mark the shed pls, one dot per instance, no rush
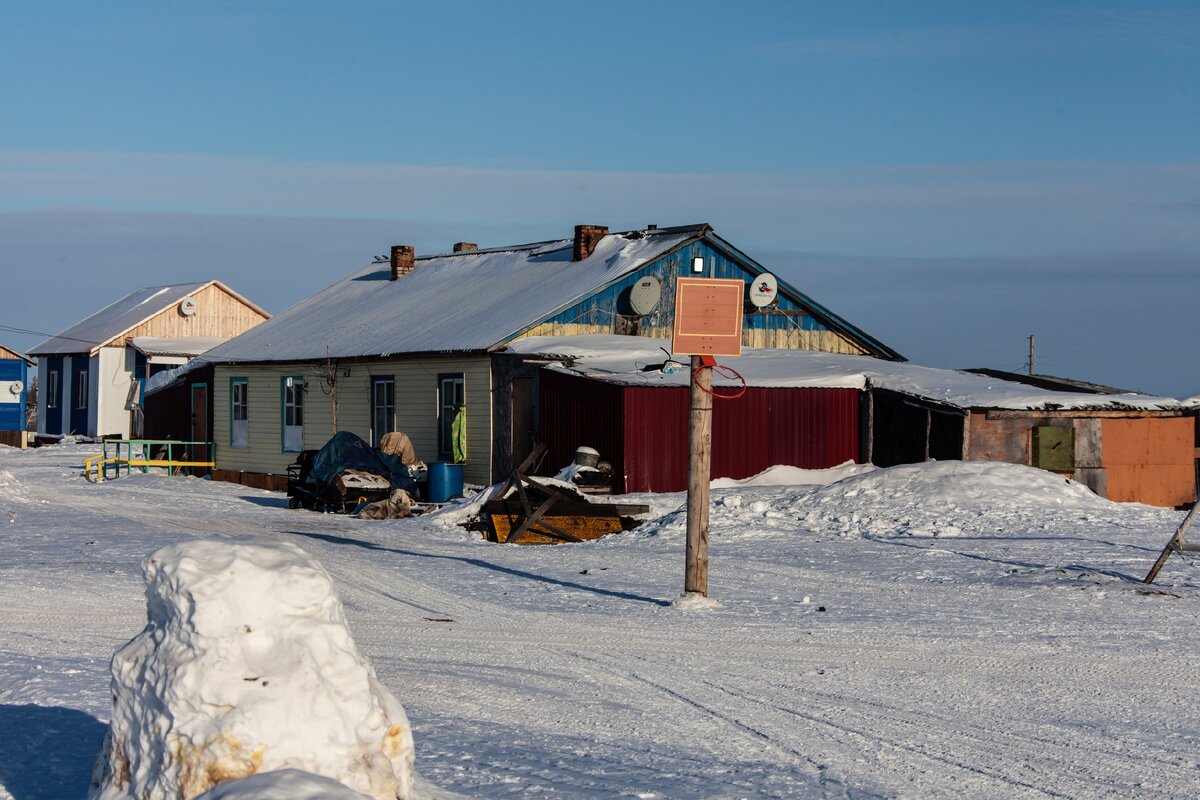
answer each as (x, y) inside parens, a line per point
(817, 410)
(14, 396)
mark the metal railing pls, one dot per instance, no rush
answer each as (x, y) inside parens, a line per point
(142, 454)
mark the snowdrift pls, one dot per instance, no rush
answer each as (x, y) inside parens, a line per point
(947, 498)
(246, 666)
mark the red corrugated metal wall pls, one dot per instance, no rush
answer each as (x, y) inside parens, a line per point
(574, 412)
(644, 430)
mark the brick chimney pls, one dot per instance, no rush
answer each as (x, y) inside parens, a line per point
(586, 239)
(465, 247)
(403, 260)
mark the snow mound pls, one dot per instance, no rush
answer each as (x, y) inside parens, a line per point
(946, 498)
(786, 475)
(11, 488)
(288, 784)
(246, 666)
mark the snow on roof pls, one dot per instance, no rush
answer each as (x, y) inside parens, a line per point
(636, 361)
(113, 320)
(463, 302)
(179, 346)
(168, 377)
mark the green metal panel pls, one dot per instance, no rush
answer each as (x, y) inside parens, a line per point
(1054, 448)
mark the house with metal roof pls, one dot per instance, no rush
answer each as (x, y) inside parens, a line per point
(90, 375)
(417, 344)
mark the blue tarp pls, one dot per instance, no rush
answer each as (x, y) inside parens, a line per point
(347, 451)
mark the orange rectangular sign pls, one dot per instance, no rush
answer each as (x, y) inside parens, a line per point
(708, 317)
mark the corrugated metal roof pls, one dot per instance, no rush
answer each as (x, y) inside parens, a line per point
(459, 302)
(113, 320)
(624, 360)
(176, 346)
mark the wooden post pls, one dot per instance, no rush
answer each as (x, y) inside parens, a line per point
(1176, 543)
(699, 475)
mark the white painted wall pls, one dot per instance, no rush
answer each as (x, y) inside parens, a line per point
(112, 375)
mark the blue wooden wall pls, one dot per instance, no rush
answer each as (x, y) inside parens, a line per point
(12, 407)
(600, 309)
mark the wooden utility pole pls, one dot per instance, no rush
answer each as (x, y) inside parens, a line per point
(1031, 354)
(695, 579)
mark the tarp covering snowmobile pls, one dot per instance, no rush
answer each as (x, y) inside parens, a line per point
(344, 471)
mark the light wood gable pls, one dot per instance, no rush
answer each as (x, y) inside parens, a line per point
(416, 382)
(220, 312)
(7, 354)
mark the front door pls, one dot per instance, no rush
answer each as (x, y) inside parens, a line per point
(199, 452)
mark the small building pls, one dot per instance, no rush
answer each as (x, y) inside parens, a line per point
(91, 374)
(413, 343)
(818, 410)
(14, 395)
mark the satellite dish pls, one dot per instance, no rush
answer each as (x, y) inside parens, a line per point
(187, 307)
(16, 387)
(645, 294)
(763, 290)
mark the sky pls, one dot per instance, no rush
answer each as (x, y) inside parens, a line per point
(950, 177)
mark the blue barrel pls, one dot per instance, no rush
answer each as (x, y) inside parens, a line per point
(445, 481)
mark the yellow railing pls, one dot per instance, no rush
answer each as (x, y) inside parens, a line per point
(138, 456)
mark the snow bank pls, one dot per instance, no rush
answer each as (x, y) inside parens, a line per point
(785, 475)
(288, 784)
(246, 666)
(948, 498)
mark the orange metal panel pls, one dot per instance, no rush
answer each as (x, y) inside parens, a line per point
(708, 316)
(1150, 460)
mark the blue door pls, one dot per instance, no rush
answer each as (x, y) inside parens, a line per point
(55, 400)
(78, 392)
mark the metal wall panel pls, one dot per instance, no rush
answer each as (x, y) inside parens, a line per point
(809, 428)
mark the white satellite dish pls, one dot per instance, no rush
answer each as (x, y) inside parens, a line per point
(16, 387)
(645, 294)
(763, 290)
(187, 307)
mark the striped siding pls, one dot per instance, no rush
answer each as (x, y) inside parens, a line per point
(784, 327)
(416, 411)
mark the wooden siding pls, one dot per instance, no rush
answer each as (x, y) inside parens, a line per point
(218, 313)
(416, 410)
(785, 326)
(6, 354)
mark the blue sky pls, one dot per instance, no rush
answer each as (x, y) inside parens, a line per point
(951, 177)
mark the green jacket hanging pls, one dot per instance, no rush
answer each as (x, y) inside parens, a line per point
(458, 434)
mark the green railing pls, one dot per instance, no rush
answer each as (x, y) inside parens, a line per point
(142, 454)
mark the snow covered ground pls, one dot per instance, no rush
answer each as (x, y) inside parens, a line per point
(984, 634)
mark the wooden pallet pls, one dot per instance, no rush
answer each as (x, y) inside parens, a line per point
(543, 513)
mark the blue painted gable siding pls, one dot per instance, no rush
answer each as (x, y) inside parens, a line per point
(601, 308)
(12, 414)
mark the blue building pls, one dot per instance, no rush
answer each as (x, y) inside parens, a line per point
(14, 392)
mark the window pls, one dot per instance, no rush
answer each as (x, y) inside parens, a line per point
(452, 418)
(383, 407)
(81, 390)
(52, 389)
(293, 413)
(239, 418)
